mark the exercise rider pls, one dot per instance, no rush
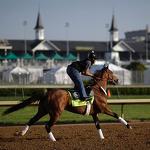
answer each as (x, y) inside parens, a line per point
(77, 68)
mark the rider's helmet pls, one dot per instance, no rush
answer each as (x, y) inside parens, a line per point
(92, 55)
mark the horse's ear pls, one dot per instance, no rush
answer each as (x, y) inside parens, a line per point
(106, 65)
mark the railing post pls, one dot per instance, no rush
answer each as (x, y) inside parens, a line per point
(22, 93)
(122, 114)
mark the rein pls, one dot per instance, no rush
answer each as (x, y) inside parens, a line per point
(100, 87)
(99, 84)
(103, 79)
(98, 78)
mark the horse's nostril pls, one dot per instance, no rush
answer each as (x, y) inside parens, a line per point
(117, 81)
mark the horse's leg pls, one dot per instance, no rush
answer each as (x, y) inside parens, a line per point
(53, 118)
(97, 124)
(113, 114)
(35, 118)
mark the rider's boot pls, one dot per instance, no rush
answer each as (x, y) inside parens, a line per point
(86, 98)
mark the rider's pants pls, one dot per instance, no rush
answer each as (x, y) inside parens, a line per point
(75, 76)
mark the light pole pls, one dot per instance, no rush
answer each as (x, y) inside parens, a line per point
(67, 40)
(107, 53)
(25, 42)
(146, 42)
(107, 27)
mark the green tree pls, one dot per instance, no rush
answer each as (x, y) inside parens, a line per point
(137, 69)
(136, 66)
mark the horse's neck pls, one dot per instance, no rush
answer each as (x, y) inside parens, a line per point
(100, 84)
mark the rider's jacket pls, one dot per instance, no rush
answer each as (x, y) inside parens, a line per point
(81, 65)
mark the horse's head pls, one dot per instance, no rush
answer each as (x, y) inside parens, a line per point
(106, 74)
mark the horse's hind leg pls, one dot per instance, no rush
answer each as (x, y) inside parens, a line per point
(97, 124)
(35, 118)
(113, 114)
(53, 118)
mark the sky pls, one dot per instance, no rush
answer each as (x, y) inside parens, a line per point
(87, 20)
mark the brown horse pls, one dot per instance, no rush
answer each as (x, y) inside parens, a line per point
(55, 101)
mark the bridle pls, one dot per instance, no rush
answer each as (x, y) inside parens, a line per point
(104, 78)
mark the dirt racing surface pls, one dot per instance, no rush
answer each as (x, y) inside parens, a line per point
(78, 137)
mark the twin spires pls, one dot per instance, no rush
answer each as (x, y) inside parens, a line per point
(39, 30)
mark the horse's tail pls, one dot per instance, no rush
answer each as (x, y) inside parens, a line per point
(21, 105)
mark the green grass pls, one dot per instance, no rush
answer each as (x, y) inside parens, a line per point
(131, 112)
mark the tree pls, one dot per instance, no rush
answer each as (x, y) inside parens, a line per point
(136, 66)
(137, 69)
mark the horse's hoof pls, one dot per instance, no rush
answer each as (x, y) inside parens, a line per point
(128, 126)
(17, 133)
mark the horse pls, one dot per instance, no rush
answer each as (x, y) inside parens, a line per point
(55, 101)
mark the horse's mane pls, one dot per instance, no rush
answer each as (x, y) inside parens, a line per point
(99, 72)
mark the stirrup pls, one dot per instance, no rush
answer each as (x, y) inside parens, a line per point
(88, 99)
(85, 99)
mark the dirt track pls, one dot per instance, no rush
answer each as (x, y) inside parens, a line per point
(78, 137)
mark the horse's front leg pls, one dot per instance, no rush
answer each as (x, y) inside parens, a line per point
(113, 114)
(124, 122)
(97, 124)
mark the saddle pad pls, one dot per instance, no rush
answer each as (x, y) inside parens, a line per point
(78, 102)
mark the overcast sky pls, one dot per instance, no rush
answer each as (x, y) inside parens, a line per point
(87, 19)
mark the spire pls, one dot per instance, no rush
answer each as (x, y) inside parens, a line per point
(114, 33)
(113, 24)
(39, 24)
(39, 29)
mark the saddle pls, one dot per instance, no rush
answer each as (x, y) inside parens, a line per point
(75, 99)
